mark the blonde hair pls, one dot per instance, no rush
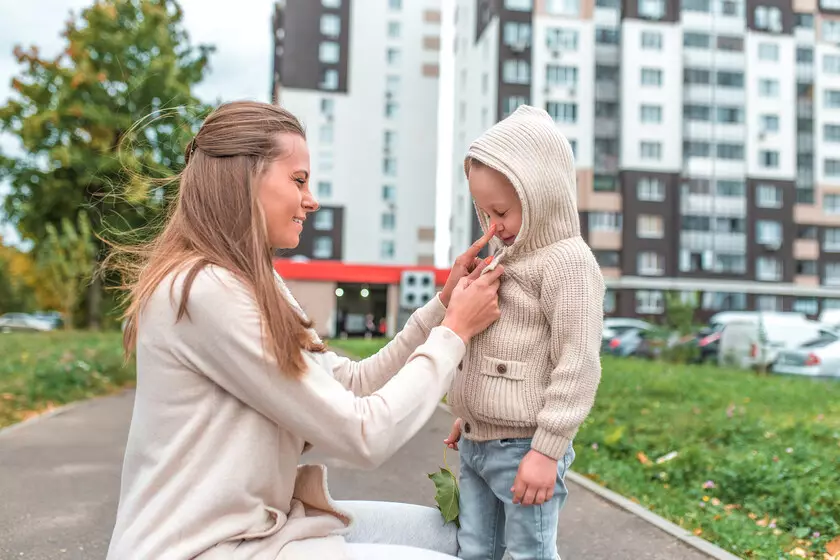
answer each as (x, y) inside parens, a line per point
(217, 220)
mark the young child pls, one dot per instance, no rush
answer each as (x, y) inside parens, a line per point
(526, 383)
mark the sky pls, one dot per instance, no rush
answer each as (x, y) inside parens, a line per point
(239, 69)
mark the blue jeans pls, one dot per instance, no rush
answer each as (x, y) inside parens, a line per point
(492, 526)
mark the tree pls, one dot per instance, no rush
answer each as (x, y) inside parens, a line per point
(65, 263)
(17, 280)
(116, 106)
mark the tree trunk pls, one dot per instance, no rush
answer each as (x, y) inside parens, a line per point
(94, 302)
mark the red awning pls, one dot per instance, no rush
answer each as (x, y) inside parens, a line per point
(337, 271)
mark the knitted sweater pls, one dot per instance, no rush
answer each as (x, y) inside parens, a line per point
(534, 373)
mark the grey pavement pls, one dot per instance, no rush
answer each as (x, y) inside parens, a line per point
(59, 484)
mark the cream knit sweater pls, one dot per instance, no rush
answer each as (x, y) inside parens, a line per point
(535, 372)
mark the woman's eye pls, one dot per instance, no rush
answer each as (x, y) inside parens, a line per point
(300, 182)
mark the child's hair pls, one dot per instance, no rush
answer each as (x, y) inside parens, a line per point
(217, 220)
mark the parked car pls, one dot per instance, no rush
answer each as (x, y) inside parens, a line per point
(819, 357)
(23, 322)
(741, 345)
(616, 327)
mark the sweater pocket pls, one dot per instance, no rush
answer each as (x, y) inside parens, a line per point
(501, 395)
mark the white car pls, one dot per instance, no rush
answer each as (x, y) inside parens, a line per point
(23, 322)
(819, 357)
(614, 326)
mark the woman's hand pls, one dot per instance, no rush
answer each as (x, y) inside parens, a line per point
(474, 305)
(464, 265)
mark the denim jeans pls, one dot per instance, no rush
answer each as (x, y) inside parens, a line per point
(492, 526)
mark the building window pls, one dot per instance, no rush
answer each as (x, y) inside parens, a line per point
(606, 110)
(516, 72)
(395, 4)
(651, 40)
(768, 159)
(605, 221)
(650, 264)
(558, 38)
(831, 64)
(724, 301)
(389, 221)
(650, 190)
(511, 103)
(768, 19)
(392, 55)
(606, 35)
(327, 107)
(389, 193)
(328, 52)
(324, 189)
(651, 77)
(329, 79)
(387, 249)
(804, 21)
(768, 269)
(694, 40)
(830, 31)
(806, 232)
(331, 3)
(730, 79)
(649, 227)
(831, 132)
(730, 43)
(325, 134)
(809, 306)
(324, 220)
(649, 302)
(389, 166)
(831, 240)
(703, 6)
(700, 113)
(322, 247)
(392, 83)
(608, 259)
(806, 268)
(563, 7)
(732, 188)
(651, 113)
(651, 150)
(651, 9)
(519, 5)
(394, 29)
(517, 34)
(769, 123)
(767, 303)
(832, 99)
(562, 112)
(768, 196)
(391, 109)
(697, 149)
(609, 301)
(832, 274)
(768, 51)
(768, 87)
(556, 75)
(730, 151)
(805, 55)
(831, 203)
(698, 76)
(330, 25)
(768, 232)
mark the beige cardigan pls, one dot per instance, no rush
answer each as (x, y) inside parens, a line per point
(211, 466)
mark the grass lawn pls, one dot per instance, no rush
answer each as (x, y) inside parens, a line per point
(751, 463)
(39, 371)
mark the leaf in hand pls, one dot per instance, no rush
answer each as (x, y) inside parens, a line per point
(446, 494)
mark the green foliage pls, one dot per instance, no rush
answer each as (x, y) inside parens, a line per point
(42, 370)
(83, 119)
(16, 291)
(679, 312)
(446, 494)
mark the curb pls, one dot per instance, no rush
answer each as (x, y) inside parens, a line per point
(643, 513)
(57, 412)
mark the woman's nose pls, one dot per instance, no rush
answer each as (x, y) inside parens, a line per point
(310, 203)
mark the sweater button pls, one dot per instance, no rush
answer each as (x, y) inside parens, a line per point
(501, 368)
(467, 427)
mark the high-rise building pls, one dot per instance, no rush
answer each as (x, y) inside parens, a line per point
(362, 75)
(705, 134)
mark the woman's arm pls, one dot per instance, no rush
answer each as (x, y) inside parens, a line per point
(221, 337)
(369, 375)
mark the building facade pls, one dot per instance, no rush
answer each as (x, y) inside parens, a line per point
(362, 75)
(706, 136)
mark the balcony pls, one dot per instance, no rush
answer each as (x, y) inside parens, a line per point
(805, 142)
(804, 107)
(806, 249)
(606, 127)
(606, 90)
(696, 241)
(805, 73)
(719, 206)
(606, 163)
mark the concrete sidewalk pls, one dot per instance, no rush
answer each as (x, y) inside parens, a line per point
(59, 484)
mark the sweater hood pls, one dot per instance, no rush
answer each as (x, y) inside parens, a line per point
(537, 159)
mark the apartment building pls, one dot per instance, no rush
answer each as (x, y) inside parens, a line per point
(706, 136)
(362, 75)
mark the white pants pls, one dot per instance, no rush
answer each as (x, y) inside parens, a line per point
(388, 530)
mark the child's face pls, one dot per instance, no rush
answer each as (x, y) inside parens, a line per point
(497, 198)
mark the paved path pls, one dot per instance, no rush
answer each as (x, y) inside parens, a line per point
(59, 483)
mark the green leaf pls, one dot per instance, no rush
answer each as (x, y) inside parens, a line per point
(446, 494)
(802, 532)
(614, 436)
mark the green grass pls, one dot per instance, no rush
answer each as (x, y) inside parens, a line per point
(749, 462)
(357, 347)
(39, 371)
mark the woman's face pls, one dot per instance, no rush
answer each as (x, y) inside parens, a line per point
(283, 192)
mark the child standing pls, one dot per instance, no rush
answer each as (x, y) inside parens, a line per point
(528, 382)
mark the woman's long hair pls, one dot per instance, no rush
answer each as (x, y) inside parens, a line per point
(217, 220)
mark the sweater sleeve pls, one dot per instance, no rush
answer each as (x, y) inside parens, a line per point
(369, 375)
(572, 301)
(222, 338)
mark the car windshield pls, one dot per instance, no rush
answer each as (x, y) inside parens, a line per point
(824, 339)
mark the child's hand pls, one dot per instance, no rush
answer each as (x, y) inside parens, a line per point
(452, 440)
(535, 480)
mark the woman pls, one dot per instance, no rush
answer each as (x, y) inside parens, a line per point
(233, 384)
